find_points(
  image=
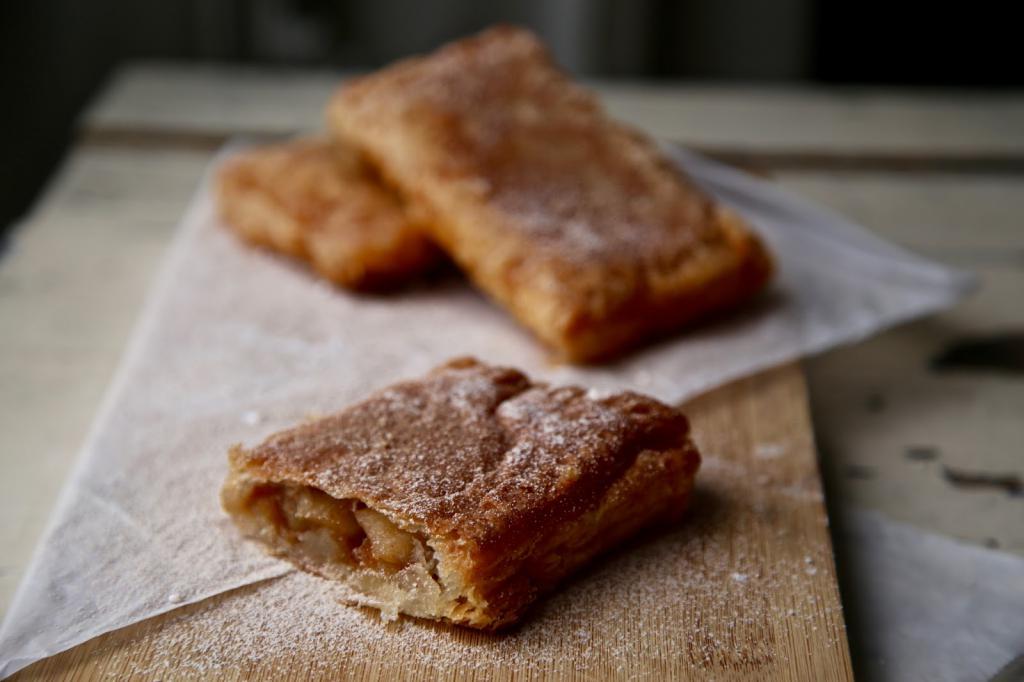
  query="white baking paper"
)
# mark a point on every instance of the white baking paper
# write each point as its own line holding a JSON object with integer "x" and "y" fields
{"x": 924, "y": 608}
{"x": 235, "y": 344}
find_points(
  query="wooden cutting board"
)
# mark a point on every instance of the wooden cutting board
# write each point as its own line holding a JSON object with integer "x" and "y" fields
{"x": 757, "y": 597}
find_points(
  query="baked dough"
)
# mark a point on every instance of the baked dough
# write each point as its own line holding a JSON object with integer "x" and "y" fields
{"x": 577, "y": 224}
{"x": 316, "y": 200}
{"x": 463, "y": 495}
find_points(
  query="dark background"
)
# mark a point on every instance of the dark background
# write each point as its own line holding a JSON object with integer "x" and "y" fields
{"x": 56, "y": 54}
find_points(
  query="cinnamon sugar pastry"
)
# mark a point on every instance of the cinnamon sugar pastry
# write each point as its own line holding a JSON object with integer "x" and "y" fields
{"x": 465, "y": 494}
{"x": 576, "y": 223}
{"x": 316, "y": 200}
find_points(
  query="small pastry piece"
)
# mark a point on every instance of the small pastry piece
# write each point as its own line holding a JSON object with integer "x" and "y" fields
{"x": 577, "y": 224}
{"x": 463, "y": 495}
{"x": 316, "y": 200}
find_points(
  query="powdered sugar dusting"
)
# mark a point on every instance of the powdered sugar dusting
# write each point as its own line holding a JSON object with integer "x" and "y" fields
{"x": 251, "y": 418}
{"x": 561, "y": 175}
{"x": 769, "y": 450}
{"x": 693, "y": 597}
{"x": 472, "y": 450}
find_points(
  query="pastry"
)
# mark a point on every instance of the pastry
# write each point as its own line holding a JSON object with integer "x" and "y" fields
{"x": 576, "y": 223}
{"x": 316, "y": 200}
{"x": 463, "y": 495}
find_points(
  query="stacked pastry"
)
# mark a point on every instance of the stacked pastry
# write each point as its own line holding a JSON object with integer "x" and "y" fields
{"x": 577, "y": 224}
{"x": 467, "y": 493}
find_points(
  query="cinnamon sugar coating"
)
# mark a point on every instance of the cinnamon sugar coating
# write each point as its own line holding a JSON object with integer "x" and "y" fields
{"x": 578, "y": 224}
{"x": 514, "y": 484}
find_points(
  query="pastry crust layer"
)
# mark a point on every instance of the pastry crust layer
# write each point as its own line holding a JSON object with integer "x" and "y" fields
{"x": 576, "y": 223}
{"x": 316, "y": 200}
{"x": 481, "y": 489}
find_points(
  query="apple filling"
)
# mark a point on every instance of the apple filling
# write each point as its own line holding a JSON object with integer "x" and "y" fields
{"x": 326, "y": 530}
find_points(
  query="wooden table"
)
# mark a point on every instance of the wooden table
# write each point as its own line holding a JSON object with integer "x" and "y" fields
{"x": 938, "y": 172}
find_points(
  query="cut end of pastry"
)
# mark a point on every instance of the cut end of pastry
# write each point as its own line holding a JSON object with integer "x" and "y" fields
{"x": 465, "y": 495}
{"x": 386, "y": 566}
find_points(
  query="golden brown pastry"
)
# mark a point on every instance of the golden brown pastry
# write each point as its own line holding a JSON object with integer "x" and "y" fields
{"x": 588, "y": 234}
{"x": 316, "y": 200}
{"x": 465, "y": 494}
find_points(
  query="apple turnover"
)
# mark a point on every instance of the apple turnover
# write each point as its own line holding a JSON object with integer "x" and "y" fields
{"x": 464, "y": 495}
{"x": 577, "y": 224}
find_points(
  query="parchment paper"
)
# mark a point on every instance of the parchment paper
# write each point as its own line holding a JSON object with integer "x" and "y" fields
{"x": 235, "y": 344}
{"x": 924, "y": 608}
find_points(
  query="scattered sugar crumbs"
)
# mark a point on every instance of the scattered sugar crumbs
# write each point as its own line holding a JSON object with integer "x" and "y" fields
{"x": 695, "y": 596}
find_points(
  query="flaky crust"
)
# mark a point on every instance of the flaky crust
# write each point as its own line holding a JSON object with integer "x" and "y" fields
{"x": 315, "y": 199}
{"x": 576, "y": 223}
{"x": 514, "y": 483}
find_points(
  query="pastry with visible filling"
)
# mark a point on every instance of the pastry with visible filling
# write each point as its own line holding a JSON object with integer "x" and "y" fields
{"x": 464, "y": 495}
{"x": 576, "y": 223}
{"x": 316, "y": 200}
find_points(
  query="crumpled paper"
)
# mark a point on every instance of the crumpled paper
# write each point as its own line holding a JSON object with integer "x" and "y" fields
{"x": 235, "y": 344}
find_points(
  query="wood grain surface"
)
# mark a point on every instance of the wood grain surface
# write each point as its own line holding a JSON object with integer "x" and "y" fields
{"x": 766, "y": 607}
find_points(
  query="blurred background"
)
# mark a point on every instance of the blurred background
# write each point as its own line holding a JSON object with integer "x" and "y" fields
{"x": 56, "y": 54}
